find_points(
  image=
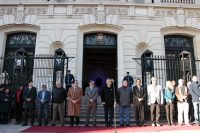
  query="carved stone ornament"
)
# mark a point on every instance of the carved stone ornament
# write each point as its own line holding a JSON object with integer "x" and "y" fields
{"x": 173, "y": 13}
{"x": 27, "y": 11}
{"x": 21, "y": 12}
{"x": 108, "y": 10}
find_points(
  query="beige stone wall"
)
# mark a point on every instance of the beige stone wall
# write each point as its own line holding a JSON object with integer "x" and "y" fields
{"x": 139, "y": 27}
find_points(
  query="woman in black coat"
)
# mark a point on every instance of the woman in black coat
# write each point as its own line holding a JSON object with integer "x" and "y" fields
{"x": 6, "y": 104}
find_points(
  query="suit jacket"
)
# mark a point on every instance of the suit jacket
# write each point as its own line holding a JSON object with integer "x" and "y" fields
{"x": 108, "y": 95}
{"x": 152, "y": 95}
{"x": 139, "y": 94}
{"x": 194, "y": 89}
{"x": 91, "y": 94}
{"x": 32, "y": 93}
{"x": 46, "y": 99}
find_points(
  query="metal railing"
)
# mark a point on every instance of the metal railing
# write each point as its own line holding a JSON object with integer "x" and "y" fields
{"x": 178, "y": 1}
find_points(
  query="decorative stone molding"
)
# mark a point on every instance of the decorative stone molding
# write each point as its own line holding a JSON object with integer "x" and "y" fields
{"x": 27, "y": 11}
{"x": 84, "y": 10}
{"x": 116, "y": 11}
{"x": 20, "y": 12}
{"x": 174, "y": 12}
{"x": 108, "y": 10}
{"x": 165, "y": 12}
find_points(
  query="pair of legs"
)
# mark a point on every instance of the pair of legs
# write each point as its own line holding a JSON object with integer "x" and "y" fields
{"x": 109, "y": 112}
{"x": 43, "y": 111}
{"x": 183, "y": 110}
{"x": 72, "y": 120}
{"x": 139, "y": 113}
{"x": 124, "y": 115}
{"x": 58, "y": 108}
{"x": 169, "y": 112}
{"x": 155, "y": 114}
{"x": 32, "y": 116}
{"x": 197, "y": 112}
{"x": 91, "y": 109}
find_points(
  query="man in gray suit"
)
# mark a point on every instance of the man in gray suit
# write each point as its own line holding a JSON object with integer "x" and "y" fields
{"x": 91, "y": 94}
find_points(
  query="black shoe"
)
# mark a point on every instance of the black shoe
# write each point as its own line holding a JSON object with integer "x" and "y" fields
{"x": 141, "y": 124}
{"x": 121, "y": 125}
{"x": 53, "y": 124}
{"x": 107, "y": 125}
{"x": 71, "y": 125}
{"x": 62, "y": 125}
{"x": 127, "y": 125}
{"x": 40, "y": 124}
{"x": 32, "y": 124}
{"x": 94, "y": 125}
{"x": 86, "y": 125}
{"x": 25, "y": 124}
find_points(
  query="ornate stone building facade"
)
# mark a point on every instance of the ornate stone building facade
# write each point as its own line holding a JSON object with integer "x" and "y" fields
{"x": 138, "y": 25}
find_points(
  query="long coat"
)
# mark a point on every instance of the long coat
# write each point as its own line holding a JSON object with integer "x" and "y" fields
{"x": 6, "y": 102}
{"x": 29, "y": 94}
{"x": 74, "y": 109}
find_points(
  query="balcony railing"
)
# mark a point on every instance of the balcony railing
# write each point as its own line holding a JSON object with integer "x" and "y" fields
{"x": 178, "y": 1}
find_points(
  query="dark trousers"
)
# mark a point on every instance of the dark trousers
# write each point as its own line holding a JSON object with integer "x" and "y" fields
{"x": 5, "y": 117}
{"x": 43, "y": 111}
{"x": 30, "y": 111}
{"x": 72, "y": 120}
{"x": 18, "y": 112}
{"x": 139, "y": 113}
{"x": 1, "y": 117}
{"x": 108, "y": 110}
{"x": 169, "y": 112}
{"x": 91, "y": 108}
{"x": 155, "y": 113}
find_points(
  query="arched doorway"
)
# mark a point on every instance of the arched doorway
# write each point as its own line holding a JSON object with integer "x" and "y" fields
{"x": 19, "y": 46}
{"x": 99, "y": 58}
{"x": 174, "y": 46}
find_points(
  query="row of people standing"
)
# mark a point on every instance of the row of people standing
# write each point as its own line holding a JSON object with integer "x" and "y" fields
{"x": 124, "y": 96}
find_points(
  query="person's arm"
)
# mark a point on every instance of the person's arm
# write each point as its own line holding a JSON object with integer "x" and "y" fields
{"x": 69, "y": 96}
{"x": 86, "y": 94}
{"x": 148, "y": 95}
{"x": 134, "y": 93}
{"x": 39, "y": 96}
{"x": 48, "y": 96}
{"x": 96, "y": 94}
{"x": 144, "y": 93}
{"x": 103, "y": 96}
{"x": 161, "y": 96}
{"x": 131, "y": 96}
{"x": 25, "y": 94}
{"x": 80, "y": 96}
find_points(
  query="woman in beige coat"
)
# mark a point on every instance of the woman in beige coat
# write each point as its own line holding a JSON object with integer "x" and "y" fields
{"x": 75, "y": 94}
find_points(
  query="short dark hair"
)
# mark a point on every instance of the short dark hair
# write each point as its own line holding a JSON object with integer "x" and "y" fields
{"x": 91, "y": 81}
{"x": 138, "y": 79}
{"x": 124, "y": 80}
{"x": 30, "y": 81}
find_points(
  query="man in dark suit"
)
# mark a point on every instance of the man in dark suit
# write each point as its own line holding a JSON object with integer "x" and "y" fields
{"x": 139, "y": 94}
{"x": 43, "y": 105}
{"x": 91, "y": 94}
{"x": 29, "y": 95}
{"x": 129, "y": 79}
{"x": 69, "y": 79}
{"x": 108, "y": 96}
